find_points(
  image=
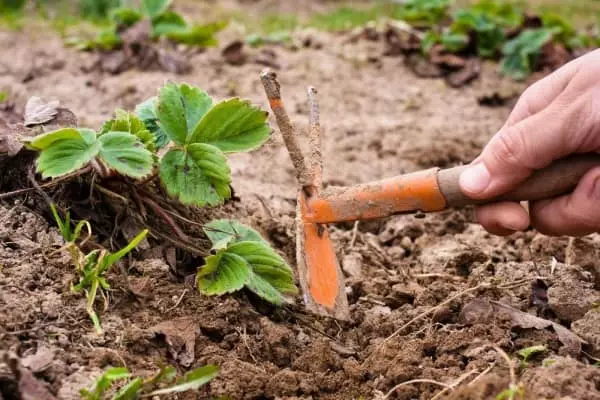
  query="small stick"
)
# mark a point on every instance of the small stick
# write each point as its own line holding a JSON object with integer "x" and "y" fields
{"x": 314, "y": 137}
{"x": 391, "y": 392}
{"x": 273, "y": 91}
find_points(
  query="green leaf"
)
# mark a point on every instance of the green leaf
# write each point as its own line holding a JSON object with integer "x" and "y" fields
{"x": 179, "y": 109}
{"x": 270, "y": 273}
{"x": 130, "y": 391}
{"x": 504, "y": 14}
{"x": 454, "y": 42}
{"x": 564, "y": 32}
{"x": 233, "y": 125}
{"x": 223, "y": 273}
{"x": 168, "y": 22}
{"x": 104, "y": 383}
{"x": 154, "y": 8}
{"x": 489, "y": 35}
{"x": 129, "y": 122}
{"x": 146, "y": 111}
{"x": 424, "y": 11}
{"x": 124, "y": 153}
{"x": 64, "y": 151}
{"x": 45, "y": 140}
{"x": 192, "y": 380}
{"x": 521, "y": 53}
{"x": 197, "y": 35}
{"x": 223, "y": 232}
{"x": 199, "y": 176}
{"x": 429, "y": 40}
{"x": 111, "y": 258}
{"x": 125, "y": 16}
{"x": 527, "y": 352}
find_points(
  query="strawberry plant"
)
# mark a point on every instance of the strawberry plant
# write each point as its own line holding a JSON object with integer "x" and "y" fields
{"x": 164, "y": 23}
{"x": 136, "y": 388}
{"x": 521, "y": 54}
{"x": 243, "y": 259}
{"x": 193, "y": 134}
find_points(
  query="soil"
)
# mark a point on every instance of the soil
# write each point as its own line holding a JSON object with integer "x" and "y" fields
{"x": 378, "y": 120}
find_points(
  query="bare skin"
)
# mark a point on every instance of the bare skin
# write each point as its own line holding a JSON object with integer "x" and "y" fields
{"x": 557, "y": 116}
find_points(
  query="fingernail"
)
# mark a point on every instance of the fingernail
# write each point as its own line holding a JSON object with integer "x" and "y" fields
{"x": 475, "y": 179}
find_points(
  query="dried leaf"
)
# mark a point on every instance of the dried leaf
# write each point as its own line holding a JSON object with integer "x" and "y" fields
{"x": 10, "y": 142}
{"x": 180, "y": 336}
{"x": 39, "y": 361}
{"x": 38, "y": 111}
{"x": 464, "y": 75}
{"x": 481, "y": 310}
{"x": 234, "y": 53}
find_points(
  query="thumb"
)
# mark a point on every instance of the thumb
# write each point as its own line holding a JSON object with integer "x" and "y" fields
{"x": 575, "y": 214}
{"x": 515, "y": 152}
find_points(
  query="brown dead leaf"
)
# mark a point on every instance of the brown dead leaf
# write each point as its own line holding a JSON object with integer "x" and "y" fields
{"x": 234, "y": 53}
{"x": 15, "y": 374}
{"x": 10, "y": 142}
{"x": 180, "y": 336}
{"x": 38, "y": 111}
{"x": 39, "y": 361}
{"x": 438, "y": 55}
{"x": 482, "y": 310}
{"x": 553, "y": 55}
{"x": 465, "y": 75}
{"x": 422, "y": 67}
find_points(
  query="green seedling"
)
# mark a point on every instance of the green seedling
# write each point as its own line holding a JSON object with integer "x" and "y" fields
{"x": 3, "y": 96}
{"x": 71, "y": 235}
{"x": 164, "y": 23}
{"x": 424, "y": 12}
{"x": 138, "y": 388}
{"x": 522, "y": 53}
{"x": 91, "y": 275}
{"x": 105, "y": 383}
{"x": 513, "y": 392}
{"x": 529, "y": 352}
{"x": 244, "y": 259}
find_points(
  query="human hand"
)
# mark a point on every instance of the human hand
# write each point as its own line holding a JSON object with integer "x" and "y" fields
{"x": 555, "y": 117}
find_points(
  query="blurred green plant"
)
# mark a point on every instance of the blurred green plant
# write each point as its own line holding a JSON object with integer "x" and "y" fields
{"x": 134, "y": 388}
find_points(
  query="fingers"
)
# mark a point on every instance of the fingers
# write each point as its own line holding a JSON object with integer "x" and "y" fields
{"x": 576, "y": 214}
{"x": 503, "y": 218}
{"x": 517, "y": 150}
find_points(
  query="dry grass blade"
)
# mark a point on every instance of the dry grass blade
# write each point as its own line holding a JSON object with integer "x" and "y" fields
{"x": 314, "y": 136}
{"x": 391, "y": 392}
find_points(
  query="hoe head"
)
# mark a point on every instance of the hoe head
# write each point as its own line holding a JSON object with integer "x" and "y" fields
{"x": 319, "y": 272}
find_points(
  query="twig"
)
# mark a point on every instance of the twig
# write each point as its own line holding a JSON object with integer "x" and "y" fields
{"x": 454, "y": 384}
{"x": 511, "y": 368}
{"x": 45, "y": 185}
{"x": 391, "y": 392}
{"x": 354, "y": 235}
{"x": 314, "y": 137}
{"x": 161, "y": 213}
{"x": 273, "y": 91}
{"x": 22, "y": 289}
{"x": 177, "y": 302}
{"x": 482, "y": 374}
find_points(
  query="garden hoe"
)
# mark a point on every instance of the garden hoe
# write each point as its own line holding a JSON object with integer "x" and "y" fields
{"x": 430, "y": 190}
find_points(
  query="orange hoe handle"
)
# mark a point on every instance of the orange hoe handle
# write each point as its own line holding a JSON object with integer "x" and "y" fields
{"x": 436, "y": 190}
